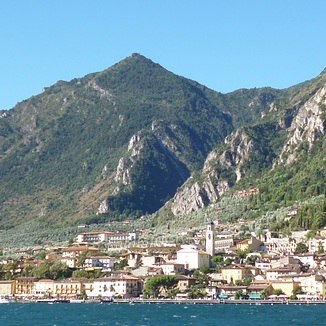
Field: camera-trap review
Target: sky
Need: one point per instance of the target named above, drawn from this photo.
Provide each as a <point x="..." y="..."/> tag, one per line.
<point x="222" y="44"/>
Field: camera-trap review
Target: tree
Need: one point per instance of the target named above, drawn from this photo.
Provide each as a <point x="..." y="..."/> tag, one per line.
<point x="121" y="264"/>
<point x="52" y="269"/>
<point x="321" y="249"/>
<point x="242" y="254"/>
<point x="278" y="292"/>
<point x="81" y="258"/>
<point x="154" y="284"/>
<point x="301" y="248"/>
<point x="201" y="277"/>
<point x="251" y="260"/>
<point x="264" y="294"/>
<point x="80" y="274"/>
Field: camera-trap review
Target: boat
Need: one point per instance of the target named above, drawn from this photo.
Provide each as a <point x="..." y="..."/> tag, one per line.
<point x="76" y="300"/>
<point x="5" y="300"/>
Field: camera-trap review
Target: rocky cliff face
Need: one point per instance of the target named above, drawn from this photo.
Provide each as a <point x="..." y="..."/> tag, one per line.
<point x="194" y="196"/>
<point x="307" y="126"/>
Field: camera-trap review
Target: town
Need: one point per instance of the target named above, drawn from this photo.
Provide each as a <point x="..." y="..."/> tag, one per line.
<point x="216" y="266"/>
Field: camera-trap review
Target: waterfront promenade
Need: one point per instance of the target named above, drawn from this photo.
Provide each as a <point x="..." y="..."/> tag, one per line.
<point x="218" y="301"/>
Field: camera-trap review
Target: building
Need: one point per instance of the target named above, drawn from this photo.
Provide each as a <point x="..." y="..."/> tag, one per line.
<point x="210" y="238"/>
<point x="172" y="268"/>
<point x="25" y="286"/>
<point x="124" y="286"/>
<point x="287" y="286"/>
<point x="250" y="245"/>
<point x="192" y="258"/>
<point x="106" y="236"/>
<point x="67" y="288"/>
<point x="104" y="263"/>
<point x="224" y="243"/>
<point x="93" y="236"/>
<point x="70" y="254"/>
<point x="278" y="273"/>
<point x="7" y="287"/>
<point x="317" y="244"/>
<point x="246" y="192"/>
<point x="43" y="287"/>
<point x="234" y="273"/>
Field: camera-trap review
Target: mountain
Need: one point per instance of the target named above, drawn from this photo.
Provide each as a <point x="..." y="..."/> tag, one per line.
<point x="137" y="139"/>
<point x="125" y="137"/>
<point x="282" y="154"/>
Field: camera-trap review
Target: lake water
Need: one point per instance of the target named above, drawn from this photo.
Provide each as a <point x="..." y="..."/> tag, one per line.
<point x="68" y="314"/>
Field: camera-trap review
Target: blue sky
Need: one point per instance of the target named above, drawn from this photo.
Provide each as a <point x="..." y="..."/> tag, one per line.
<point x="225" y="45"/>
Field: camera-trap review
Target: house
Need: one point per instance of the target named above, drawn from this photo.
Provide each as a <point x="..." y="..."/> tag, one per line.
<point x="234" y="273"/>
<point x="252" y="244"/>
<point x="276" y="273"/>
<point x="256" y="287"/>
<point x="104" y="263"/>
<point x="263" y="264"/>
<point x="124" y="286"/>
<point x="212" y="291"/>
<point x="192" y="258"/>
<point x="228" y="291"/>
<point x="246" y="192"/>
<point x="71" y="254"/>
<point x="43" y="287"/>
<point x="25" y="286"/>
<point x="312" y="285"/>
<point x="185" y="282"/>
<point x="307" y="259"/>
<point x="172" y="268"/>
<point x="7" y="287"/>
<point x="146" y="271"/>
<point x="288" y="287"/>
<point x="67" y="288"/>
<point x="317" y="244"/>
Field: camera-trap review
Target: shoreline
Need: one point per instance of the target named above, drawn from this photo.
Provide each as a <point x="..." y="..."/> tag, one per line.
<point x="133" y="301"/>
<point x="221" y="301"/>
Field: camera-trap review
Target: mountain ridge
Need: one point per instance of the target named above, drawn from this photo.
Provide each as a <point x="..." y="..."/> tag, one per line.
<point x="130" y="139"/>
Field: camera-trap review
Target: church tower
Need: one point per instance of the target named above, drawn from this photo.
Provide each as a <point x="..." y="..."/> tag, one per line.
<point x="210" y="238"/>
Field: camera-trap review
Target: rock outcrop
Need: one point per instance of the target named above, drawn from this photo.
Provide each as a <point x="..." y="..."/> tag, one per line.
<point x="307" y="126"/>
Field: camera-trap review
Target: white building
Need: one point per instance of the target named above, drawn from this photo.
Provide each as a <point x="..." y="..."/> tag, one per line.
<point x="106" y="236"/>
<point x="172" y="268"/>
<point x="317" y="244"/>
<point x="43" y="287"/>
<point x="192" y="258"/>
<point x="125" y="286"/>
<point x="105" y="263"/>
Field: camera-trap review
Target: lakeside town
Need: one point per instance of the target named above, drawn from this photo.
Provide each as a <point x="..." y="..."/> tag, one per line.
<point x="216" y="265"/>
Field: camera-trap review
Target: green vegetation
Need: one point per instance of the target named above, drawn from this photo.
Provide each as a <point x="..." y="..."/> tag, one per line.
<point x="157" y="284"/>
<point x="60" y="152"/>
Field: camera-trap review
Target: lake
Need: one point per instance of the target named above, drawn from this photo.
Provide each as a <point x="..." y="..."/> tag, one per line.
<point x="95" y="314"/>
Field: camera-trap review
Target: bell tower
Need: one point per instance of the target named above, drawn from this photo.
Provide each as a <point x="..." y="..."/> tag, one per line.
<point x="210" y="238"/>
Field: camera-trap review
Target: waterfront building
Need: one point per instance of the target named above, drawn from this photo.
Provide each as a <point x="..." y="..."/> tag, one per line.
<point x="288" y="286"/>
<point x="234" y="273"/>
<point x="124" y="286"/>
<point x="7" y="287"/>
<point x="25" y="286"/>
<point x="67" y="288"/>
<point x="43" y="287"/>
